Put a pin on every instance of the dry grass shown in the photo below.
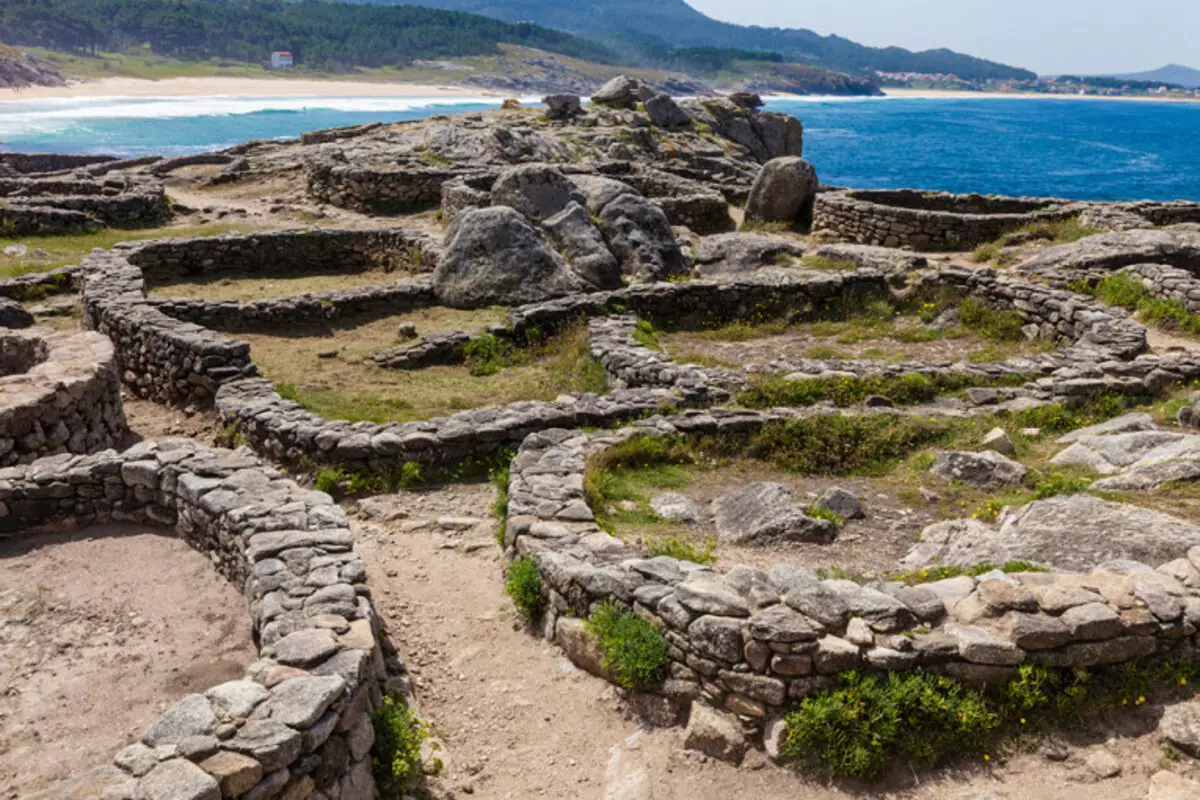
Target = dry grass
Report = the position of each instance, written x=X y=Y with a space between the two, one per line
x=347 y=387
x=266 y=286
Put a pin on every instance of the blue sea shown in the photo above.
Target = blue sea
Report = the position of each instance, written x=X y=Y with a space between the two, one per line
x=1081 y=149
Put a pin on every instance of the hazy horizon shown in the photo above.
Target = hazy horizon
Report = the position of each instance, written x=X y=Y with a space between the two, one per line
x=1047 y=36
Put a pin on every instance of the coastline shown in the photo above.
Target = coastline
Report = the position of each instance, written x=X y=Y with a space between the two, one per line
x=955 y=94
x=242 y=87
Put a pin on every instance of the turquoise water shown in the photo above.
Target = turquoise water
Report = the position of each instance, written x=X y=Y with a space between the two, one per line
x=1083 y=149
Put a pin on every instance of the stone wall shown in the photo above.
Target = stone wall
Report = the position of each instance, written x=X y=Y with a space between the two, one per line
x=299 y=723
x=925 y=221
x=28 y=163
x=376 y=190
x=69 y=204
x=756 y=641
x=60 y=393
x=1169 y=283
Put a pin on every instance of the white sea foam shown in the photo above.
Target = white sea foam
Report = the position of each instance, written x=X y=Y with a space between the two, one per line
x=56 y=114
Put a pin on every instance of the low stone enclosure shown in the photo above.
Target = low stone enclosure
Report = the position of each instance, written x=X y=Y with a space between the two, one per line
x=60 y=392
x=941 y=221
x=756 y=641
x=72 y=204
x=299 y=723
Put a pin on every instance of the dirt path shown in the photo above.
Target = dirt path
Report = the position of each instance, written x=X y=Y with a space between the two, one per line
x=100 y=631
x=519 y=720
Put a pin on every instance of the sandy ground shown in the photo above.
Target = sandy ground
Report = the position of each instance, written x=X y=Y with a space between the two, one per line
x=93 y=645
x=518 y=720
x=252 y=87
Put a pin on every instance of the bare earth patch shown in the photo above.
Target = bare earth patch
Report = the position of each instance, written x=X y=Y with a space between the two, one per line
x=518 y=720
x=270 y=286
x=100 y=631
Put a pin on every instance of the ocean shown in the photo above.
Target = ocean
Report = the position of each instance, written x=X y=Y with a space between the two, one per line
x=1079 y=149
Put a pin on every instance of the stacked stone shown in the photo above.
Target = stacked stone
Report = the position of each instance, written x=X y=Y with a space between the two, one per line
x=160 y=357
x=1096 y=257
x=756 y=640
x=285 y=432
x=299 y=723
x=32 y=163
x=369 y=190
x=923 y=221
x=60 y=393
x=632 y=364
x=445 y=348
x=53 y=205
x=400 y=297
x=51 y=281
x=1169 y=283
x=466 y=192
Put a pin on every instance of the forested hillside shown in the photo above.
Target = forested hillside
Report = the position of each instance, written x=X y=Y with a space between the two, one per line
x=630 y=25
x=323 y=36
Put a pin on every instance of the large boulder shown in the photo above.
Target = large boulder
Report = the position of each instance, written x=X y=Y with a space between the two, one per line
x=494 y=256
x=620 y=92
x=741 y=253
x=577 y=238
x=988 y=469
x=13 y=314
x=1111 y=454
x=598 y=191
x=1108 y=252
x=665 y=112
x=538 y=191
x=562 y=106
x=640 y=236
x=1075 y=532
x=764 y=134
x=784 y=191
x=765 y=512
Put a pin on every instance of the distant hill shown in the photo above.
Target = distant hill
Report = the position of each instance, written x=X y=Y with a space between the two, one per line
x=1172 y=73
x=635 y=25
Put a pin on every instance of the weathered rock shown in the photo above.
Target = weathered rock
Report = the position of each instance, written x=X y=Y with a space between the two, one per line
x=665 y=112
x=191 y=716
x=988 y=469
x=236 y=774
x=580 y=242
x=620 y=92
x=784 y=191
x=1148 y=478
x=674 y=507
x=580 y=646
x=562 y=106
x=841 y=502
x=300 y=702
x=731 y=254
x=179 y=779
x=997 y=440
x=639 y=235
x=493 y=256
x=1181 y=727
x=306 y=647
x=537 y=191
x=714 y=733
x=762 y=512
x=271 y=743
x=13 y=314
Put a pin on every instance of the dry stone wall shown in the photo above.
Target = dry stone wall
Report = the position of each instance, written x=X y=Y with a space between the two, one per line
x=299 y=723
x=59 y=393
x=925 y=221
x=757 y=641
x=376 y=190
x=1169 y=283
x=56 y=205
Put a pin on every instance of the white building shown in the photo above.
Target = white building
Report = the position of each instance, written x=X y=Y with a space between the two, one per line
x=281 y=59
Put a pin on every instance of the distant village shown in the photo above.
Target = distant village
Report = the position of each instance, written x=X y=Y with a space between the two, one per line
x=1059 y=85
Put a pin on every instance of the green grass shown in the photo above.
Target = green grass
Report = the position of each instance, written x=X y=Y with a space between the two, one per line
x=523 y=584
x=999 y=326
x=827 y=264
x=934 y=574
x=816 y=512
x=985 y=253
x=1127 y=291
x=770 y=391
x=1060 y=231
x=1057 y=418
x=1054 y=485
x=498 y=477
x=69 y=250
x=643 y=334
x=683 y=547
x=635 y=652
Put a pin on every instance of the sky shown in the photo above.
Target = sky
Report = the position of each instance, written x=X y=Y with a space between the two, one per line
x=1047 y=36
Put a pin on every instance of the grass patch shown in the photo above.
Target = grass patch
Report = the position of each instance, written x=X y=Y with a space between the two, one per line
x=62 y=251
x=999 y=326
x=635 y=652
x=524 y=585
x=827 y=264
x=396 y=754
x=1062 y=231
x=1057 y=418
x=1053 y=486
x=684 y=548
x=1126 y=291
x=985 y=254
x=643 y=334
x=770 y=391
x=498 y=477
x=561 y=364
x=817 y=512
x=934 y=574
x=859 y=726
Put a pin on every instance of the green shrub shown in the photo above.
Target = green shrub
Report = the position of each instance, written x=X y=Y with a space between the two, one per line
x=489 y=354
x=684 y=548
x=854 y=728
x=524 y=585
x=985 y=253
x=635 y=652
x=396 y=754
x=329 y=480
x=769 y=391
x=643 y=334
x=499 y=480
x=410 y=475
x=1057 y=418
x=817 y=512
x=934 y=574
x=1001 y=326
x=1128 y=291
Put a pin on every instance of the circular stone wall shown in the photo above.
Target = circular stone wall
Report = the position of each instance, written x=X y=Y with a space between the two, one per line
x=929 y=220
x=60 y=393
